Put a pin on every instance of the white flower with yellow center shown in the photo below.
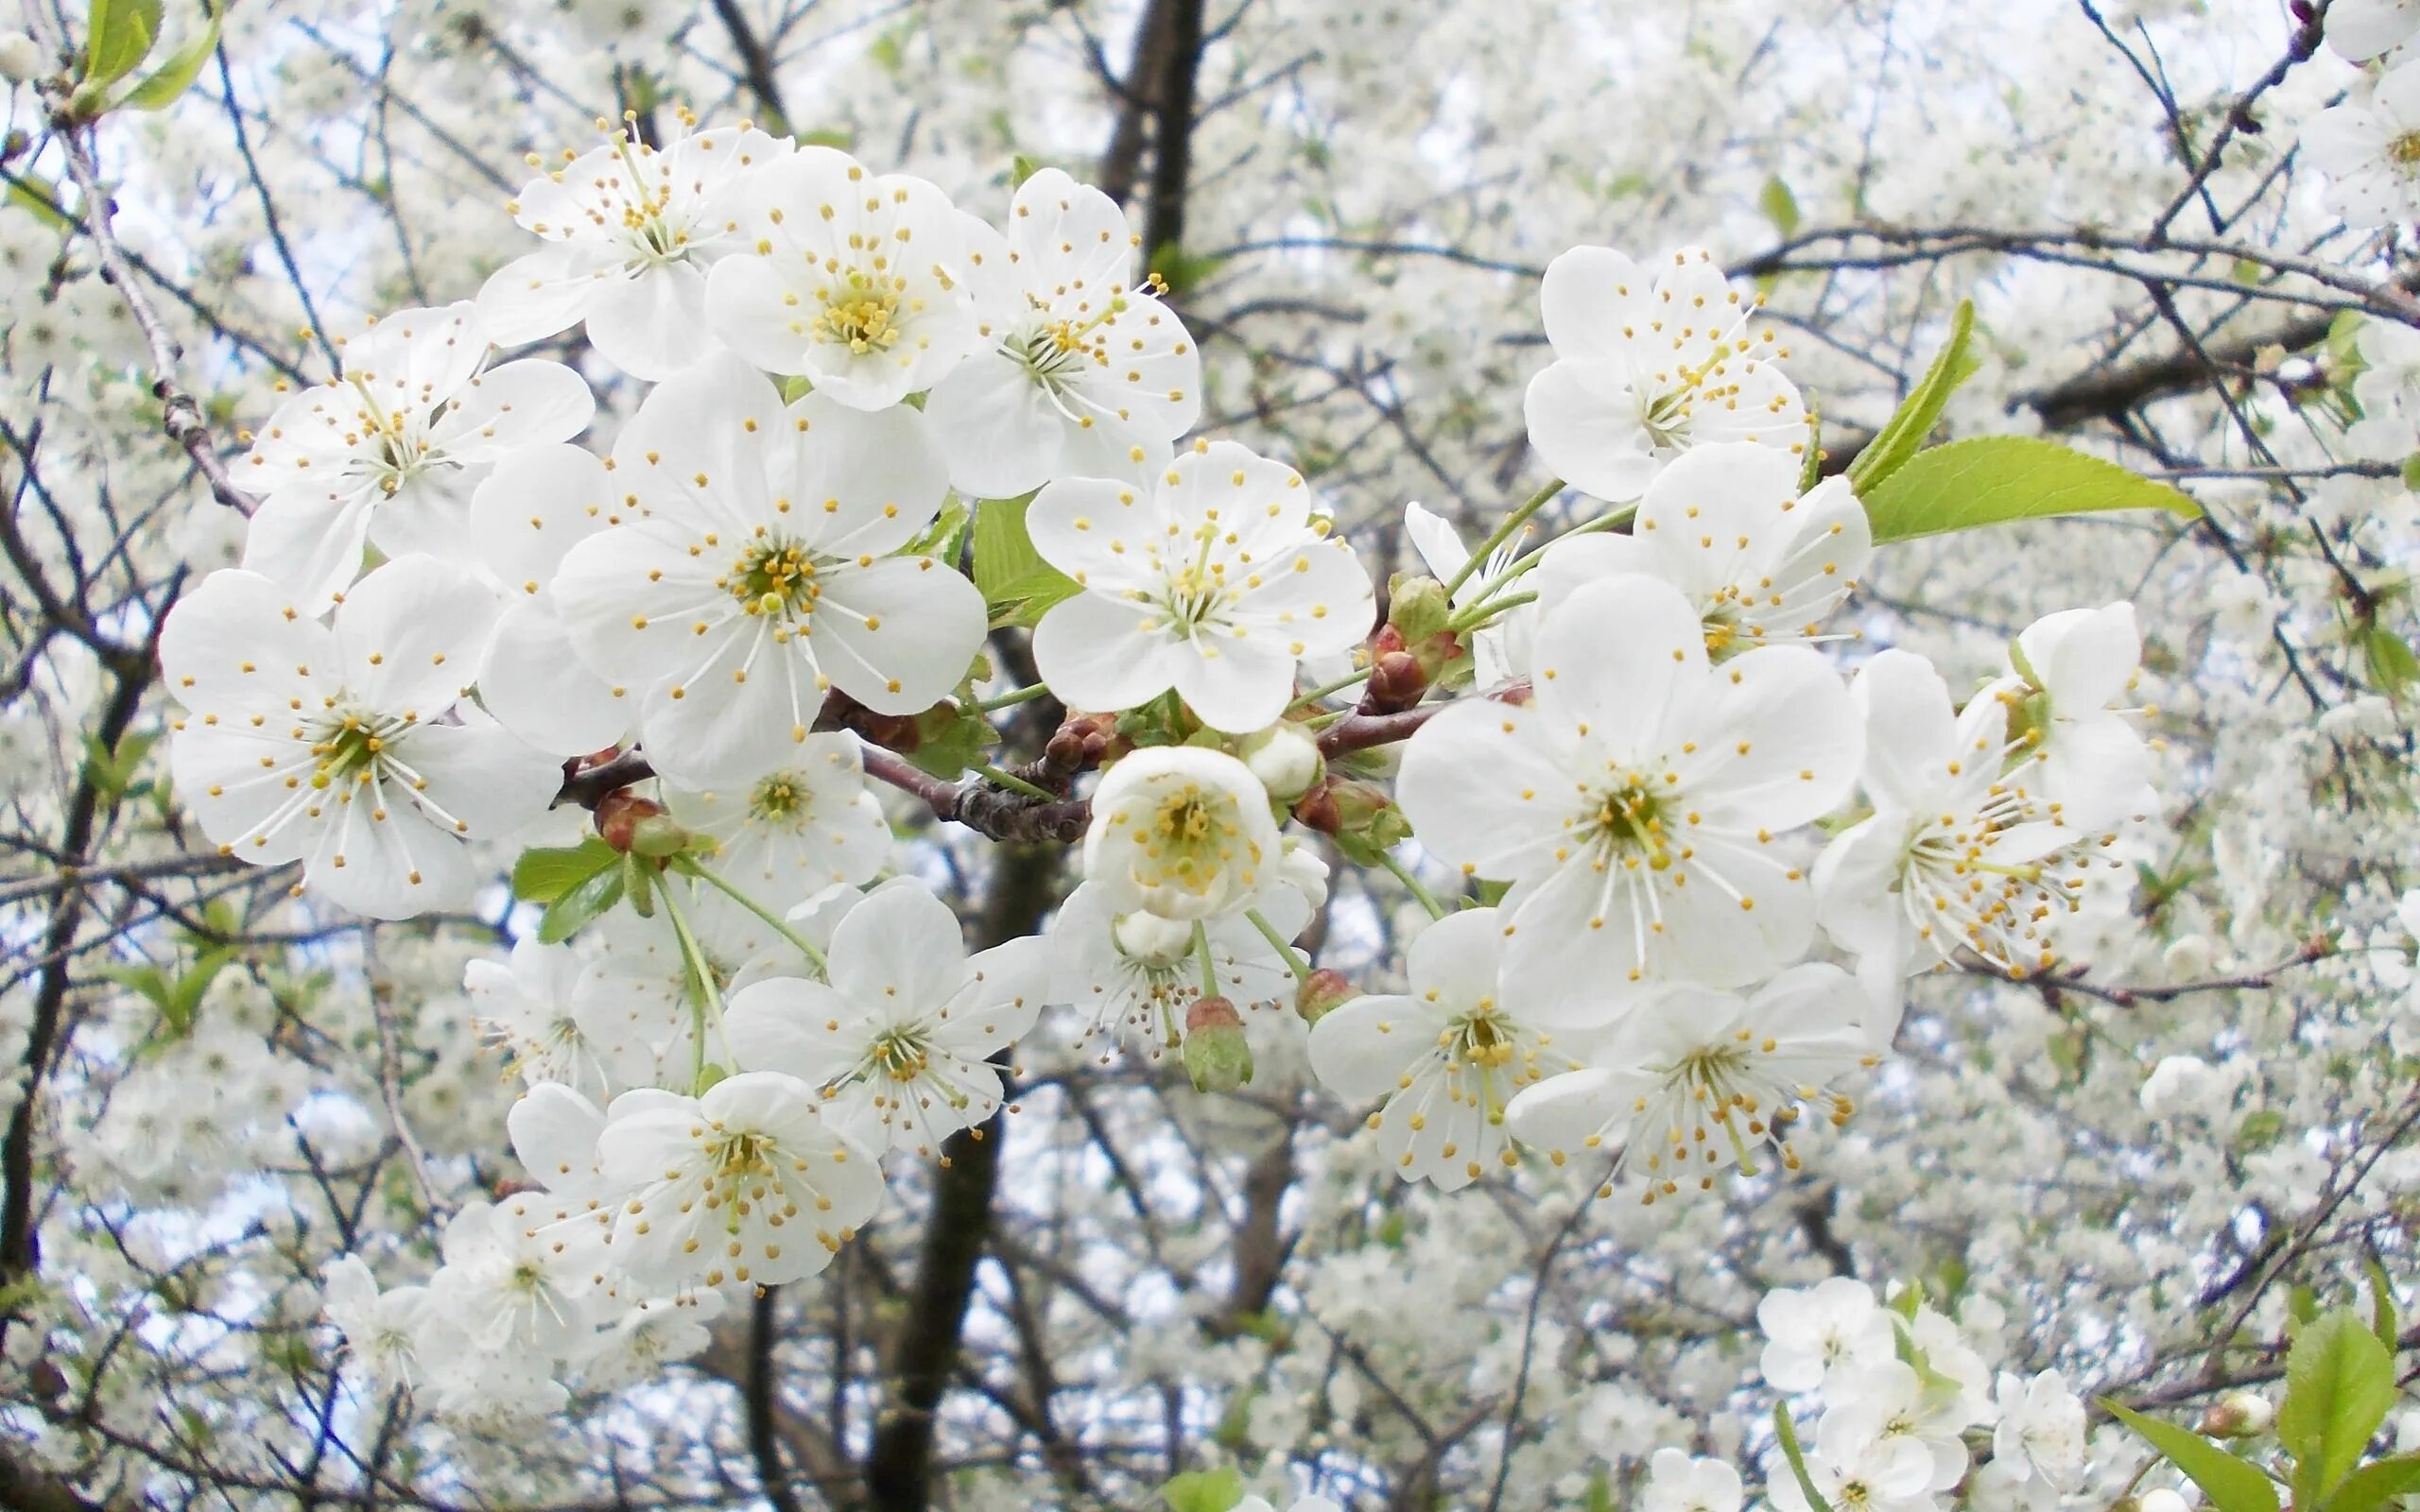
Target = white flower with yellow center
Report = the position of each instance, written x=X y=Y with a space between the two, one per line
x=1727 y=525
x=1962 y=853
x=1448 y=1058
x=1079 y=373
x=898 y=1043
x=1132 y=977
x=1651 y=361
x=383 y=453
x=630 y=230
x=1181 y=832
x=1698 y=1080
x=1639 y=803
x=852 y=280
x=766 y=570
x=805 y=824
x=351 y=750
x=747 y=1185
x=1214 y=581
x=2370 y=150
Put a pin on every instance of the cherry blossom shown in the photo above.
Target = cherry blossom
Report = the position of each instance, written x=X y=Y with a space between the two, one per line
x=1079 y=373
x=1214 y=581
x=349 y=748
x=1650 y=360
x=630 y=230
x=382 y=451
x=767 y=568
x=1181 y=832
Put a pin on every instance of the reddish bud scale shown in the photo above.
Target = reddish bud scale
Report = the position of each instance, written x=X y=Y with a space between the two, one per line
x=618 y=815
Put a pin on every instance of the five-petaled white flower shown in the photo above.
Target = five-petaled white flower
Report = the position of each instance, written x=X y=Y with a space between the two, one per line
x=2371 y=150
x=381 y=1329
x=335 y=747
x=1214 y=581
x=630 y=230
x=2075 y=663
x=1697 y=1080
x=524 y=1006
x=380 y=453
x=763 y=571
x=857 y=281
x=1183 y=833
x=1960 y=850
x=2041 y=1431
x=1638 y=804
x=1650 y=362
x=1727 y=526
x=1448 y=1058
x=747 y=1185
x=1834 y=1324
x=806 y=823
x=897 y=1044
x=1078 y=373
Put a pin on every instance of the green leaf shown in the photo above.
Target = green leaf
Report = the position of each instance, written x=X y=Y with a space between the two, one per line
x=1900 y=437
x=2393 y=667
x=172 y=77
x=542 y=875
x=2381 y=1304
x=2231 y=1485
x=590 y=899
x=2370 y=1487
x=40 y=202
x=1016 y=584
x=1996 y=479
x=1180 y=269
x=1780 y=206
x=1021 y=168
x=2339 y=1381
x=1790 y=1451
x=1203 y=1492
x=951 y=739
x=120 y=37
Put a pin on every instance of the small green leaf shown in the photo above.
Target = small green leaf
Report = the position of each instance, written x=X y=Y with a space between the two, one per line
x=951 y=739
x=2393 y=667
x=2339 y=1381
x=542 y=875
x=1016 y=584
x=1021 y=168
x=587 y=901
x=2374 y=1483
x=40 y=202
x=172 y=77
x=1900 y=437
x=1203 y=1492
x=1996 y=479
x=1181 y=270
x=2231 y=1485
x=120 y=37
x=1780 y=206
x=2382 y=1321
x=1788 y=1436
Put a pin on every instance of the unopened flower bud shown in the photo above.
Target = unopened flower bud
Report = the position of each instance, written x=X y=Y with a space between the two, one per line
x=1217 y=1055
x=1323 y=992
x=1318 y=810
x=2238 y=1415
x=2160 y=1499
x=1287 y=760
x=618 y=814
x=1152 y=939
x=20 y=56
x=1396 y=682
x=1419 y=608
x=657 y=835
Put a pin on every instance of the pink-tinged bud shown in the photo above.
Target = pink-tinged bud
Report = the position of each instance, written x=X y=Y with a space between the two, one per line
x=1322 y=993
x=1397 y=681
x=1318 y=808
x=2238 y=1415
x=618 y=814
x=1216 y=1055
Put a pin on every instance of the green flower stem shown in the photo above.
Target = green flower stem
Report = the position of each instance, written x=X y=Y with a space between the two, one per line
x=704 y=995
x=1009 y=701
x=1201 y=952
x=1338 y=686
x=1015 y=784
x=1503 y=533
x=1403 y=874
x=1479 y=614
x=1300 y=968
x=798 y=942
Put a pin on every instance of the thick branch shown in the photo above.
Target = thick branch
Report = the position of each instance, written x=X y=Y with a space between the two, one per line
x=1172 y=131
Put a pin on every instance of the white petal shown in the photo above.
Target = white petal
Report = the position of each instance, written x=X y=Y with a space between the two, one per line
x=536 y=687
x=412 y=635
x=898 y=635
x=653 y=324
